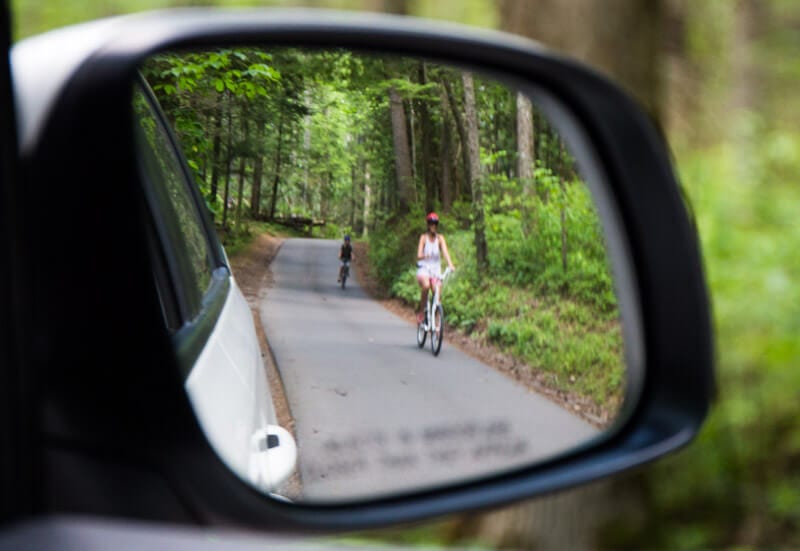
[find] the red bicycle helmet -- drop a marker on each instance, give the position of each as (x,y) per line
(432,218)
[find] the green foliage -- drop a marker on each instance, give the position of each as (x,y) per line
(527,250)
(740,476)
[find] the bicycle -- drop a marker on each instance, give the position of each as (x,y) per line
(433,321)
(345,271)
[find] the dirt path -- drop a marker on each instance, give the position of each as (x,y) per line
(486,352)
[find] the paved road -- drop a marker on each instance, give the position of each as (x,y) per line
(376,415)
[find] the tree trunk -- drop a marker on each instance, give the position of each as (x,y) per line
(216,153)
(445,189)
(473,152)
(402,156)
(412,143)
(308,201)
(427,148)
(494,144)
(258,171)
(242,167)
(204,167)
(277,179)
(228,161)
(352,197)
(367,197)
(525,144)
(462,135)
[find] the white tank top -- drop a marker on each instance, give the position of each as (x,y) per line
(432,261)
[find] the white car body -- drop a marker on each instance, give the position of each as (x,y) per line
(232,400)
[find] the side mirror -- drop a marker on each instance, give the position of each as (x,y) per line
(132,397)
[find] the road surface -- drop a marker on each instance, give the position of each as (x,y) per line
(376,415)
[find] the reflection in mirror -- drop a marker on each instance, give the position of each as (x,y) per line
(339,157)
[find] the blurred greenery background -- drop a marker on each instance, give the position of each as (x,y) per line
(721,78)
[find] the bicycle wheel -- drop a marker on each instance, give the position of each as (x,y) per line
(345,273)
(421,334)
(437,329)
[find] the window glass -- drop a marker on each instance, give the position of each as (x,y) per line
(175,203)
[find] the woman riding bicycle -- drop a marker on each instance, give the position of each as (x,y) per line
(432,246)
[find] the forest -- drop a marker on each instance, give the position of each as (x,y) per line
(335,143)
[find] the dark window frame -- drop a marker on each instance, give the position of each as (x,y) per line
(192,319)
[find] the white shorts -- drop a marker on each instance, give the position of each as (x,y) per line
(434,272)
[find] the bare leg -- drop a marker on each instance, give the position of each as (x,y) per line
(438,289)
(425,285)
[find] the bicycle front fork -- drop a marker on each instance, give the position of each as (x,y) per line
(430,304)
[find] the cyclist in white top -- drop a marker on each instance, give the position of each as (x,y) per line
(432,246)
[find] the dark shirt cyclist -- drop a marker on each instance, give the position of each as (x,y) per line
(346,255)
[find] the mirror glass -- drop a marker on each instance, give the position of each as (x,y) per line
(345,187)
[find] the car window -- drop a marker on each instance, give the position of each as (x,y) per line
(175,209)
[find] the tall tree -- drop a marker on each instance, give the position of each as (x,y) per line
(462,135)
(228,160)
(445,157)
(402,156)
(242,164)
(473,154)
(258,170)
(216,152)
(277,173)
(525,143)
(427,147)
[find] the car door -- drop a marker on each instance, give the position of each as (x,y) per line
(209,319)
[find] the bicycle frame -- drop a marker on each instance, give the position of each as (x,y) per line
(435,298)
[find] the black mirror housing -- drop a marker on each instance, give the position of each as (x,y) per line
(114,431)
